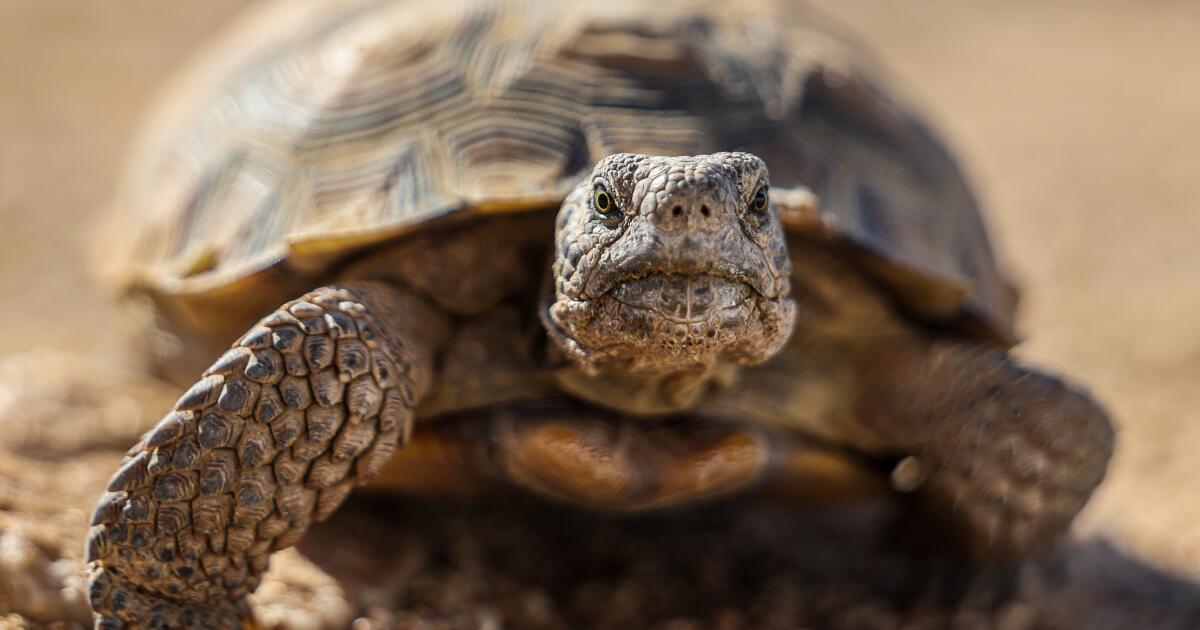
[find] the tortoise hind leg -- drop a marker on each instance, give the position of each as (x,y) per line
(1002,457)
(308,404)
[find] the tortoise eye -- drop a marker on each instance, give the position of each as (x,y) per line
(759,203)
(602,201)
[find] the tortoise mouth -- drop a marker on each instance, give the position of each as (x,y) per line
(662,322)
(683,298)
(673,277)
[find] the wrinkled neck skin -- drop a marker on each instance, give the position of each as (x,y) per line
(669,274)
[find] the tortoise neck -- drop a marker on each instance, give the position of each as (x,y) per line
(644,394)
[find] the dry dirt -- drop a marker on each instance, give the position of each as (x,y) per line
(1079,127)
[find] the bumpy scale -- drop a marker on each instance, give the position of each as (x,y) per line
(308,404)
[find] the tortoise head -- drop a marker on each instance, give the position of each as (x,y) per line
(668,264)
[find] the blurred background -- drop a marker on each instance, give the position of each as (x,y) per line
(1078,123)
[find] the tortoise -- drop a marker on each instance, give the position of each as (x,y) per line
(537,245)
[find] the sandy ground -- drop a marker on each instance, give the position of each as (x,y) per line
(1079,127)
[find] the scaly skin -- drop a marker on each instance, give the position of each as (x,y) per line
(682,272)
(1009,456)
(684,277)
(305,406)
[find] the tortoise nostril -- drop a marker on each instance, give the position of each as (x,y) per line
(705,211)
(676,211)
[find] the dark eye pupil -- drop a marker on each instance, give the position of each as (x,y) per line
(760,200)
(603,203)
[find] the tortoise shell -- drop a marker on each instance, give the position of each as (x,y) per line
(315,130)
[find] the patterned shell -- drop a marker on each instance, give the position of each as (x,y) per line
(317,128)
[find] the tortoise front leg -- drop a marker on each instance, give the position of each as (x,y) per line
(308,404)
(1002,455)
